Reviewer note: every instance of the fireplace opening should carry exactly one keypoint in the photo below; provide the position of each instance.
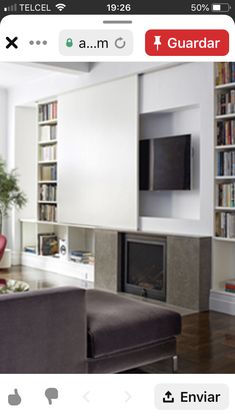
(144, 266)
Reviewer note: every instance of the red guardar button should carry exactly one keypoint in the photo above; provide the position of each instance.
(182, 42)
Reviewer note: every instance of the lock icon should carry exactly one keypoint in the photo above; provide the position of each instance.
(69, 42)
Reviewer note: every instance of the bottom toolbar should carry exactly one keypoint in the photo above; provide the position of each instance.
(114, 395)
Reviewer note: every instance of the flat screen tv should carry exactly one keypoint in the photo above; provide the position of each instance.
(165, 163)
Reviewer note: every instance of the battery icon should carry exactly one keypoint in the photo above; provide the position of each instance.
(220, 7)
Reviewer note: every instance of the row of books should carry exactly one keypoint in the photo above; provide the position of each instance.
(225, 72)
(47, 212)
(226, 132)
(47, 192)
(80, 256)
(48, 172)
(226, 103)
(226, 163)
(48, 152)
(225, 195)
(48, 133)
(47, 112)
(225, 225)
(47, 244)
(230, 286)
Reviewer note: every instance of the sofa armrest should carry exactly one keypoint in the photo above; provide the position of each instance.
(43, 331)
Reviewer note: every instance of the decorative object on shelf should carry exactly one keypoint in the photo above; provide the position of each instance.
(10, 193)
(12, 286)
(63, 248)
(47, 244)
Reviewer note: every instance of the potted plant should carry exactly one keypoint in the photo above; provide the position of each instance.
(10, 193)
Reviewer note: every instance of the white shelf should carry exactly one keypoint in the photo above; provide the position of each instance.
(224, 147)
(48, 122)
(225, 239)
(225, 178)
(49, 142)
(47, 182)
(47, 162)
(224, 208)
(225, 86)
(47, 202)
(227, 116)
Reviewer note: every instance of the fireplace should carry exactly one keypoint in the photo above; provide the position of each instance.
(144, 266)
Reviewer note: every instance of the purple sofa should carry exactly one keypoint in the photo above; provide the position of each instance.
(71, 330)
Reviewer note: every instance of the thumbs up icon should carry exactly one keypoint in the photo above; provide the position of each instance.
(14, 399)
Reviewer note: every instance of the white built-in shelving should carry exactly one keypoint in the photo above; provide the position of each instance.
(223, 267)
(72, 237)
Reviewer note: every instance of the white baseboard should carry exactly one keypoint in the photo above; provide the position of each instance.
(221, 301)
(55, 265)
(15, 258)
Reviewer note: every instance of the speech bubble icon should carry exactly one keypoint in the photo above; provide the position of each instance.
(51, 393)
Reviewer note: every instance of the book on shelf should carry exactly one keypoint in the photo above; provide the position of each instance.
(48, 172)
(83, 257)
(225, 73)
(47, 133)
(230, 286)
(226, 132)
(225, 195)
(48, 192)
(47, 112)
(226, 102)
(47, 244)
(225, 225)
(48, 152)
(226, 163)
(47, 212)
(30, 249)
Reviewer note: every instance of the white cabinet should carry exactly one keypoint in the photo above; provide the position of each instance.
(98, 154)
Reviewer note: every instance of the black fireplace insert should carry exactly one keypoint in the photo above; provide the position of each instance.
(144, 266)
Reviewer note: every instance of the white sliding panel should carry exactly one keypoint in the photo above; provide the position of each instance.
(98, 155)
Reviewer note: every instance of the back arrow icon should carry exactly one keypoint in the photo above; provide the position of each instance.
(86, 396)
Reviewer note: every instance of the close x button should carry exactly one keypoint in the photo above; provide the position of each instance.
(11, 42)
(182, 42)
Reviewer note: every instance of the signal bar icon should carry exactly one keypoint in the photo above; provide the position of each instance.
(12, 8)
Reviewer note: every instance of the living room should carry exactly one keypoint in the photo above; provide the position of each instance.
(84, 139)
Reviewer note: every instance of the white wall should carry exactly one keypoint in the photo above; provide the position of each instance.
(3, 133)
(3, 122)
(97, 152)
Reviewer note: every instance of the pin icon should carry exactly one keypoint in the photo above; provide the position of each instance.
(51, 393)
(14, 399)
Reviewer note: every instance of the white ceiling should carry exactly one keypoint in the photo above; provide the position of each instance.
(12, 74)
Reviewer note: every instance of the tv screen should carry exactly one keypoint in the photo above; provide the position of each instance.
(165, 163)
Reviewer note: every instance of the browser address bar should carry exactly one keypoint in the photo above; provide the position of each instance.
(96, 42)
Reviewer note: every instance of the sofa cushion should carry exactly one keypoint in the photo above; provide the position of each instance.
(117, 323)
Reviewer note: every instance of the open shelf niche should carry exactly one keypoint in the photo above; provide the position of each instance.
(182, 205)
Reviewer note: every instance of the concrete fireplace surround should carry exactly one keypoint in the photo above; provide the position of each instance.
(188, 267)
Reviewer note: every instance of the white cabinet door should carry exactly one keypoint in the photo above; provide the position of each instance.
(98, 155)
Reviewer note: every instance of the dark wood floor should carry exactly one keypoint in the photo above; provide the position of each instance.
(206, 345)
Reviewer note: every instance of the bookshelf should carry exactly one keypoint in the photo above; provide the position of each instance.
(225, 151)
(223, 268)
(73, 237)
(47, 161)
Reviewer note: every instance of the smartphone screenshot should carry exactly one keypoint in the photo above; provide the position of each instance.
(117, 209)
